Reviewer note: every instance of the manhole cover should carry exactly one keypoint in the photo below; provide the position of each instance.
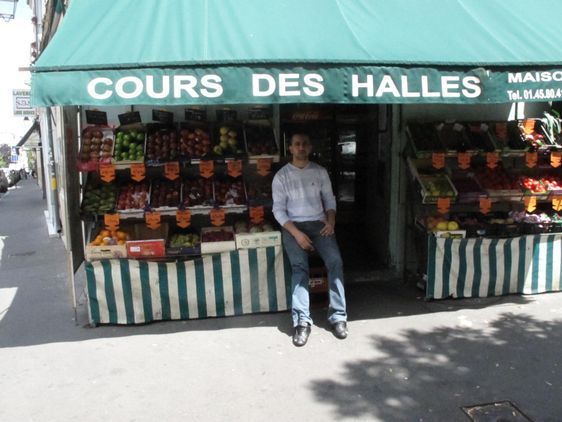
(22, 253)
(502, 411)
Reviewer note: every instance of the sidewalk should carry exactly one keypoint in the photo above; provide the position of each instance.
(405, 359)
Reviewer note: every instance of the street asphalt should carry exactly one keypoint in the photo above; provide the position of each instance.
(406, 359)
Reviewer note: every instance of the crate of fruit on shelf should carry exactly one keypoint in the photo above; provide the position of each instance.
(552, 183)
(532, 186)
(533, 132)
(499, 184)
(507, 136)
(250, 236)
(229, 140)
(481, 137)
(108, 244)
(441, 227)
(96, 148)
(185, 242)
(99, 198)
(230, 193)
(423, 139)
(454, 137)
(501, 225)
(195, 140)
(133, 198)
(260, 140)
(162, 144)
(197, 193)
(217, 239)
(468, 188)
(259, 192)
(129, 145)
(165, 195)
(435, 186)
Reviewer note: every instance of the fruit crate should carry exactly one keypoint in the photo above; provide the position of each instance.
(225, 239)
(453, 136)
(468, 188)
(435, 186)
(198, 193)
(532, 129)
(423, 139)
(165, 195)
(124, 153)
(498, 184)
(531, 186)
(133, 198)
(97, 145)
(228, 140)
(230, 193)
(195, 140)
(480, 136)
(162, 144)
(98, 199)
(260, 141)
(507, 136)
(184, 242)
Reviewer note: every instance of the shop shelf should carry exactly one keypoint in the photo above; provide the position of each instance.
(423, 139)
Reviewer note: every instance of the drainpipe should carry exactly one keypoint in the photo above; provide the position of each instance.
(54, 208)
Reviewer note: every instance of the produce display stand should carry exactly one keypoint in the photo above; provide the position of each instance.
(483, 267)
(129, 291)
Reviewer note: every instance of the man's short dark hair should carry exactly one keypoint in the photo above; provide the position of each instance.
(301, 135)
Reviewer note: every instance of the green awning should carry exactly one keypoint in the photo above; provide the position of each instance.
(172, 52)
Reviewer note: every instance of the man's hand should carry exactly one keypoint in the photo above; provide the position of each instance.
(304, 241)
(327, 230)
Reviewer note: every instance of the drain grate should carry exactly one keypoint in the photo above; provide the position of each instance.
(22, 254)
(501, 411)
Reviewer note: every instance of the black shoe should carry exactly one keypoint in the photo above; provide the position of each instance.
(340, 329)
(301, 335)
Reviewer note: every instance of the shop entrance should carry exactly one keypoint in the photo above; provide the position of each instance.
(346, 141)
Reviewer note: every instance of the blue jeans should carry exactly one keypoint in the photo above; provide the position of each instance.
(328, 249)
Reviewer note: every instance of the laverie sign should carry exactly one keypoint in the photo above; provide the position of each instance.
(329, 84)
(21, 100)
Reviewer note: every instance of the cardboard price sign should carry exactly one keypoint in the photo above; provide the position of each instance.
(443, 205)
(557, 203)
(528, 126)
(264, 166)
(206, 168)
(138, 172)
(107, 172)
(217, 216)
(152, 220)
(555, 159)
(485, 205)
(438, 160)
(172, 170)
(463, 159)
(531, 159)
(111, 221)
(183, 218)
(492, 159)
(234, 168)
(256, 215)
(530, 203)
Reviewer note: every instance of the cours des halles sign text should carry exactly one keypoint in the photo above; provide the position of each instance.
(249, 85)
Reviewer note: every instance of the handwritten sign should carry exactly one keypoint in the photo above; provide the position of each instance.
(107, 172)
(111, 221)
(234, 168)
(206, 168)
(152, 219)
(492, 159)
(138, 172)
(485, 205)
(217, 216)
(172, 170)
(263, 166)
(528, 126)
(183, 218)
(555, 159)
(463, 159)
(443, 205)
(256, 214)
(438, 160)
(530, 203)
(531, 159)
(557, 203)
